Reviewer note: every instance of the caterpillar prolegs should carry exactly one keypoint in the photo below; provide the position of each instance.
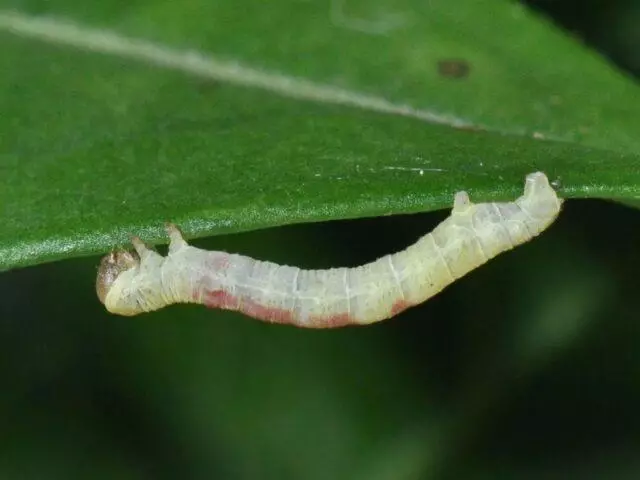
(129, 283)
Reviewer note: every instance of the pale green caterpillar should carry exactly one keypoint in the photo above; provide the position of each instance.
(130, 283)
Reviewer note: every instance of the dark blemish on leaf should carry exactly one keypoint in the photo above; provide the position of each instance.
(471, 128)
(454, 68)
(205, 86)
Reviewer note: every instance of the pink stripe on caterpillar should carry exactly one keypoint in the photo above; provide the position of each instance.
(130, 283)
(224, 300)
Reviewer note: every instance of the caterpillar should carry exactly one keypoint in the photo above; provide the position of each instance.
(132, 282)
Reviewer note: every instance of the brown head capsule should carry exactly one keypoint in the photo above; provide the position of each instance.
(111, 266)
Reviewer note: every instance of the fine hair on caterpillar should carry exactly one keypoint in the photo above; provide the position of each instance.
(130, 283)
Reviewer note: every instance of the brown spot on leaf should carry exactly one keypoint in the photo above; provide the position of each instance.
(454, 68)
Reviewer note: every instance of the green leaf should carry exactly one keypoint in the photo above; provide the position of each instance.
(122, 115)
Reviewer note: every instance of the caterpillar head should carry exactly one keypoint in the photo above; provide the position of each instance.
(111, 267)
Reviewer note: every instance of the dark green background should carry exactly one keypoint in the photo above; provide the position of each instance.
(527, 368)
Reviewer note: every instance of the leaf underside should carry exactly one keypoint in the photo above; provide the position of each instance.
(376, 114)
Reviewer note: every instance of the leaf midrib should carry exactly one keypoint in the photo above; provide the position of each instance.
(65, 32)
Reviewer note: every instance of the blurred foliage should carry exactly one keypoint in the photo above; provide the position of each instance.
(528, 368)
(608, 26)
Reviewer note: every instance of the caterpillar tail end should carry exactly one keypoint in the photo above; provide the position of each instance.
(537, 188)
(540, 200)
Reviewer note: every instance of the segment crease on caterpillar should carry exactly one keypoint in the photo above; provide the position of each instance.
(130, 283)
